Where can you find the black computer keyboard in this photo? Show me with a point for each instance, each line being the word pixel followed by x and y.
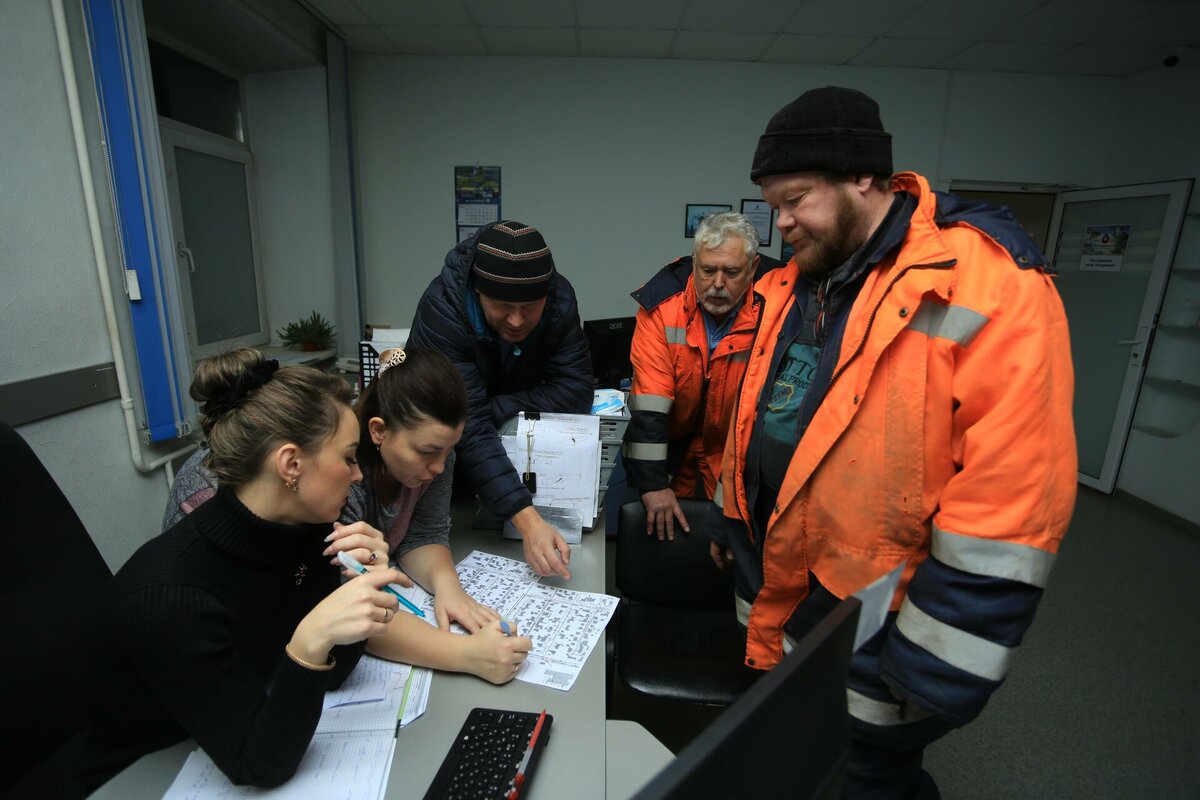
pixel 483 761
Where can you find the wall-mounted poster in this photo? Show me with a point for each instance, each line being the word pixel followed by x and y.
pixel 759 213
pixel 694 212
pixel 476 199
pixel 1104 247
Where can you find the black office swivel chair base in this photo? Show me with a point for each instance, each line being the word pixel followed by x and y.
pixel 679 649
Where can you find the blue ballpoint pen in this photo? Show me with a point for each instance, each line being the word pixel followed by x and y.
pixel 350 562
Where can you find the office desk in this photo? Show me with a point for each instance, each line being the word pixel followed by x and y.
pixel 584 758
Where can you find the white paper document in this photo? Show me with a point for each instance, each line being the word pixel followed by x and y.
pixel 563 451
pixel 349 767
pixel 876 598
pixel 351 750
pixel 564 624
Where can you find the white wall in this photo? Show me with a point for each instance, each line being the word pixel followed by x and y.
pixel 289 136
pixel 51 317
pixel 602 155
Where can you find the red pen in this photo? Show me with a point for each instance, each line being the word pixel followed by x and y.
pixel 519 780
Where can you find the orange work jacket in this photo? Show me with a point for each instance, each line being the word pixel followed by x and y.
pixel 682 395
pixel 947 428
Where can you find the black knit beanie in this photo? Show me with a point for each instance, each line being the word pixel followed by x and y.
pixel 512 263
pixel 825 130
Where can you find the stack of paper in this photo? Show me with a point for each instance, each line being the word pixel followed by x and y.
pixel 351 751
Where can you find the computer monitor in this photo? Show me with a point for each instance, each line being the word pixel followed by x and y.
pixel 785 737
pixel 609 341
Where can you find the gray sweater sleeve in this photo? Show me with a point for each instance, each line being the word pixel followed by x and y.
pixel 193 486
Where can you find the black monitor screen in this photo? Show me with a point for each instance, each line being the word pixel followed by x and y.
pixel 797 710
pixel 609 341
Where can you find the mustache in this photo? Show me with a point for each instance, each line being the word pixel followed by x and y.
pixel 717 294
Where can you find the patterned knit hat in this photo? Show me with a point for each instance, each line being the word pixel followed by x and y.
pixel 825 130
pixel 512 263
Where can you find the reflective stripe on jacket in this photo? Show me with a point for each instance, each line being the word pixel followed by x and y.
pixel 945 443
pixel 682 396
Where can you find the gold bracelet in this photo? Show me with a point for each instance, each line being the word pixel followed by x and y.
pixel 287 648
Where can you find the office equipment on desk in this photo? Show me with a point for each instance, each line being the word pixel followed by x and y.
pixel 565 625
pixel 677 635
pixel 494 754
pixel 609 342
pixel 802 702
pixel 369 349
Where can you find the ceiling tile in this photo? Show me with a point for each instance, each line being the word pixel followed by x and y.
pixel 602 43
pixel 435 41
pixel 367 39
pixel 1073 21
pixel 745 16
pixel 703 45
pixel 958 20
pixel 339 12
pixel 1001 56
pixel 629 14
pixel 420 13
pixel 1175 24
pixel 908 53
pixel 1090 59
pixel 521 14
pixel 849 17
pixel 791 49
pixel 530 41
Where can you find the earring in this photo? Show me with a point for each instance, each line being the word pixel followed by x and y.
pixel 293 484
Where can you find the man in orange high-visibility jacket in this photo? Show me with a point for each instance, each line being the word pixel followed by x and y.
pixel 908 402
pixel 689 351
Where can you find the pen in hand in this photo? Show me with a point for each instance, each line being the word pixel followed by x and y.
pixel 350 562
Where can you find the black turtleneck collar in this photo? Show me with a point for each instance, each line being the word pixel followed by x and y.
pixel 232 528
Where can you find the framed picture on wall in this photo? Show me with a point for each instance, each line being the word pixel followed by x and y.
pixel 759 213
pixel 694 212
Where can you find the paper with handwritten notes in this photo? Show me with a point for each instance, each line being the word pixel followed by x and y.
pixel 563 624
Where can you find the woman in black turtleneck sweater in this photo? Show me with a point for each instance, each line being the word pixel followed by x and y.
pixel 230 626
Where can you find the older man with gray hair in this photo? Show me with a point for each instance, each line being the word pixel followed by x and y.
pixel 695 326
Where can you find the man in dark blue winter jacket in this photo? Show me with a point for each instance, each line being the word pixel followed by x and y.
pixel 510 323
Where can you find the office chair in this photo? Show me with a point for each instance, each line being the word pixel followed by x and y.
pixel 54 576
pixel 678 638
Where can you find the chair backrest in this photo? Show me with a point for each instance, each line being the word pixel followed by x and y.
pixel 57 577
pixel 677 573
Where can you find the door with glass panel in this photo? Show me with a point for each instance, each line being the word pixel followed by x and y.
pixel 211 189
pixel 1113 250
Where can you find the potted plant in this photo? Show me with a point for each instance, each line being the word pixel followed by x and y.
pixel 313 332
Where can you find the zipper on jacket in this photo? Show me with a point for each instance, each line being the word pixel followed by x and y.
pixel 737 403
pixel 871 321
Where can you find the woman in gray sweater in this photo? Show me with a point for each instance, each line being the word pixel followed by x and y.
pixel 410 419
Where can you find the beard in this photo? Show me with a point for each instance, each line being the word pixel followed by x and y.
pixel 828 250
pixel 717 302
